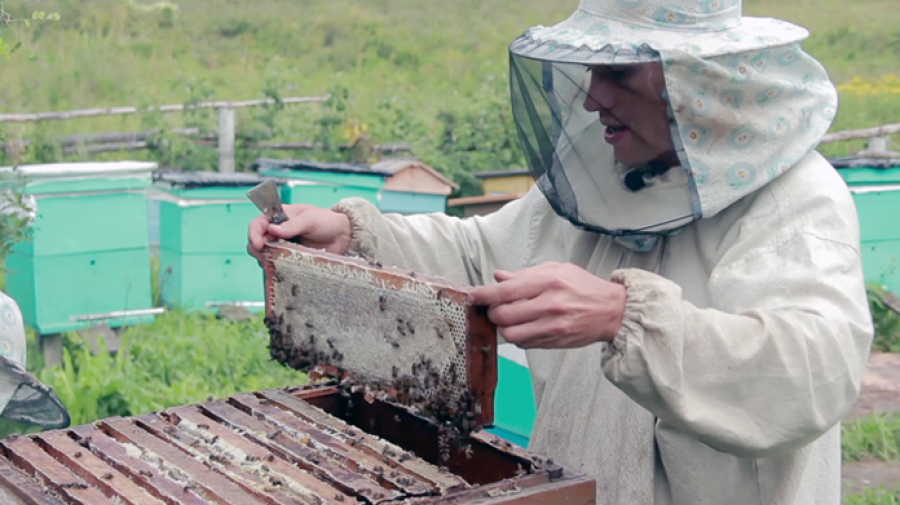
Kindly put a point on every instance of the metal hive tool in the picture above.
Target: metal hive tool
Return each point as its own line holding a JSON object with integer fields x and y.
{"x": 291, "y": 446}
{"x": 396, "y": 336}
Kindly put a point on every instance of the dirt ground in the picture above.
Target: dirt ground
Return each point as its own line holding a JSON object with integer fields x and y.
{"x": 880, "y": 393}
{"x": 880, "y": 388}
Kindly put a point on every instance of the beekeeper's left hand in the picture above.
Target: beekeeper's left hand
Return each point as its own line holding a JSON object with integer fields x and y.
{"x": 553, "y": 306}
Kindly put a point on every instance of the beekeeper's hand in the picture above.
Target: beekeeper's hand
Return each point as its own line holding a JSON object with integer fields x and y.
{"x": 314, "y": 226}
{"x": 553, "y": 306}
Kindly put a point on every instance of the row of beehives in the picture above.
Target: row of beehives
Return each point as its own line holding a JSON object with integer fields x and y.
{"x": 98, "y": 225}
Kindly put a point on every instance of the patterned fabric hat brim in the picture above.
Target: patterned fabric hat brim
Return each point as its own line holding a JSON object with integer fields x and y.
{"x": 593, "y": 39}
{"x": 745, "y": 104}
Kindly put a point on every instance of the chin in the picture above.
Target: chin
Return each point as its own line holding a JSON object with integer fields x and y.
{"x": 629, "y": 159}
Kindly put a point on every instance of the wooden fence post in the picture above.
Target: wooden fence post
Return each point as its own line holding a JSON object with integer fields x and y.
{"x": 226, "y": 140}
{"x": 879, "y": 144}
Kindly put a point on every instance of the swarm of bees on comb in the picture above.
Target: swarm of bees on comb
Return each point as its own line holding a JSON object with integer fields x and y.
{"x": 389, "y": 335}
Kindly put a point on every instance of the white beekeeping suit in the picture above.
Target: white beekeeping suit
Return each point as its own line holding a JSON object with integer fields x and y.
{"x": 746, "y": 327}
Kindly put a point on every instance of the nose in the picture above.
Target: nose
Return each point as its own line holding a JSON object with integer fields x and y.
{"x": 601, "y": 94}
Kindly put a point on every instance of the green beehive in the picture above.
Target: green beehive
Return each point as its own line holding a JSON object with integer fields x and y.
{"x": 875, "y": 185}
{"x": 203, "y": 219}
{"x": 88, "y": 260}
{"x": 323, "y": 184}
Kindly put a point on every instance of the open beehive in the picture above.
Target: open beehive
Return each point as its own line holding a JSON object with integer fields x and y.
{"x": 307, "y": 445}
{"x": 398, "y": 336}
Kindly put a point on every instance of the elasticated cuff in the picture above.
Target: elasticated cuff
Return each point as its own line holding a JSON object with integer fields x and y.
{"x": 362, "y": 242}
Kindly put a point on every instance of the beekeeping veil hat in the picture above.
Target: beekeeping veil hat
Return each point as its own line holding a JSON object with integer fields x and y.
{"x": 23, "y": 398}
{"x": 744, "y": 101}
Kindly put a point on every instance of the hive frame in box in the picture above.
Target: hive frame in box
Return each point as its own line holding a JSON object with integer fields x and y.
{"x": 472, "y": 333}
{"x": 277, "y": 447}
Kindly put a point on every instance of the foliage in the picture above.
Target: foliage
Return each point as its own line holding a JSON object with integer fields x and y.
{"x": 877, "y": 496}
{"x": 876, "y": 436}
{"x": 8, "y": 21}
{"x": 432, "y": 75}
{"x": 179, "y": 359}
{"x": 887, "y": 322}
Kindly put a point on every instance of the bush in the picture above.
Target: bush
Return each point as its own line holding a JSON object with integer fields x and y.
{"x": 887, "y": 322}
{"x": 179, "y": 359}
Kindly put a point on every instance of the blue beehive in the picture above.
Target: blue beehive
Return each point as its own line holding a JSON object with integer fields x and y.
{"x": 405, "y": 186}
{"x": 203, "y": 219}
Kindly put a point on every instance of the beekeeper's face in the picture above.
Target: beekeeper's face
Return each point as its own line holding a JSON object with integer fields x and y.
{"x": 629, "y": 100}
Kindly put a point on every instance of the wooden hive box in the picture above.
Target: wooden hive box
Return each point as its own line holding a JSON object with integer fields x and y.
{"x": 302, "y": 445}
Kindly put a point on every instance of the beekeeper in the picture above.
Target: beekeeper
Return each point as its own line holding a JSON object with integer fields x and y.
{"x": 685, "y": 275}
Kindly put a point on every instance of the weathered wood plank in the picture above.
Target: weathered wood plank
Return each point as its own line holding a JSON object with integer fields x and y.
{"x": 121, "y": 111}
{"x": 441, "y": 481}
{"x": 26, "y": 454}
{"x": 581, "y": 491}
{"x": 16, "y": 485}
{"x": 94, "y": 470}
{"x": 275, "y": 439}
{"x": 345, "y": 454}
{"x": 191, "y": 419}
{"x": 878, "y": 131}
{"x": 241, "y": 472}
{"x": 157, "y": 482}
{"x": 213, "y": 485}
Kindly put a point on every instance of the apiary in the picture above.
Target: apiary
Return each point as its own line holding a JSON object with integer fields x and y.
{"x": 314, "y": 444}
{"x": 403, "y": 369}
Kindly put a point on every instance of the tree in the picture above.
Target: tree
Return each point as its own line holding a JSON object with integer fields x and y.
{"x": 16, "y": 208}
{"x": 9, "y": 24}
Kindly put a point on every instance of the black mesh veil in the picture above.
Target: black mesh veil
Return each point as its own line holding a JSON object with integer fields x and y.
{"x": 571, "y": 155}
{"x": 32, "y": 402}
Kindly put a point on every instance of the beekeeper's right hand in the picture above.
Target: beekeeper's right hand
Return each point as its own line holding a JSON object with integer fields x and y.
{"x": 313, "y": 227}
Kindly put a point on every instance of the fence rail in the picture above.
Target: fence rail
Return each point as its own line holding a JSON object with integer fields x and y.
{"x": 867, "y": 133}
{"x": 122, "y": 111}
{"x": 224, "y": 139}
{"x": 878, "y": 146}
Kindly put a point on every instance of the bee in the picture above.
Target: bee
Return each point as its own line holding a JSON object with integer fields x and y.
{"x": 293, "y": 290}
{"x": 440, "y": 334}
{"x": 382, "y": 301}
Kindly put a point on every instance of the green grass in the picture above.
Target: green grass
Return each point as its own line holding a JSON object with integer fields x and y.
{"x": 873, "y": 437}
{"x": 179, "y": 359}
{"x": 431, "y": 73}
{"x": 877, "y": 496}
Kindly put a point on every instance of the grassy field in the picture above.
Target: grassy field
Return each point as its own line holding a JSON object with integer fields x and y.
{"x": 433, "y": 74}
{"x": 429, "y": 73}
